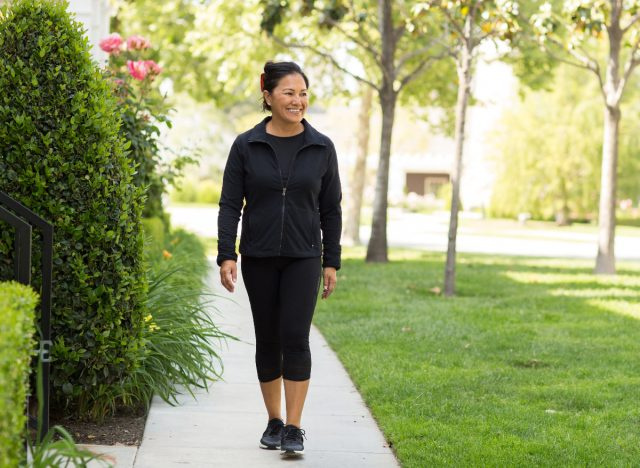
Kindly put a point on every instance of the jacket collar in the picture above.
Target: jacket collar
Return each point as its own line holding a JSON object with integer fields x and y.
{"x": 311, "y": 135}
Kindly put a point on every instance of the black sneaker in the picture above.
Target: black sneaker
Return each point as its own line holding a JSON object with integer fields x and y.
{"x": 272, "y": 435}
{"x": 292, "y": 440}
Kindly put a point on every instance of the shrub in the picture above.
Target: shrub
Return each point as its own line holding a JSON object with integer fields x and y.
{"x": 17, "y": 305}
{"x": 180, "y": 335}
{"x": 62, "y": 156}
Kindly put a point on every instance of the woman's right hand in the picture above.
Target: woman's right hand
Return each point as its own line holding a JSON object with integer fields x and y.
{"x": 229, "y": 274}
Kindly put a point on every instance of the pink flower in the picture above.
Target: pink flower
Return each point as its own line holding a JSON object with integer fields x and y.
{"x": 137, "y": 69}
{"x": 138, "y": 43}
{"x": 152, "y": 67}
{"x": 111, "y": 44}
{"x": 141, "y": 69}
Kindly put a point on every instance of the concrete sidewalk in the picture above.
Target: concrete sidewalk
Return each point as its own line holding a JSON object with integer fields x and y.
{"x": 222, "y": 427}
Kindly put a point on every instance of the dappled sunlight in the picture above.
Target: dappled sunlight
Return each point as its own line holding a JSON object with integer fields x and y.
{"x": 622, "y": 307}
{"x": 597, "y": 293}
{"x": 574, "y": 279}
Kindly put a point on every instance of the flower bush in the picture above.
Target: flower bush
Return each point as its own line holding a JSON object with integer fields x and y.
{"x": 133, "y": 72}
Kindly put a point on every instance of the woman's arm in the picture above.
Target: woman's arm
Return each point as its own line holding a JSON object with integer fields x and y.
{"x": 231, "y": 200}
{"x": 331, "y": 213}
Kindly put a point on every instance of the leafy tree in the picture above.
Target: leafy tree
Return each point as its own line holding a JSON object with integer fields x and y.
{"x": 573, "y": 35}
{"x": 470, "y": 23}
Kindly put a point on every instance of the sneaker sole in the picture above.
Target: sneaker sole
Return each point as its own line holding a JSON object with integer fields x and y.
{"x": 291, "y": 453}
{"x": 269, "y": 447}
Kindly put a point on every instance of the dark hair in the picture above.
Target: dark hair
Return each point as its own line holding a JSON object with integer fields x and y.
{"x": 274, "y": 72}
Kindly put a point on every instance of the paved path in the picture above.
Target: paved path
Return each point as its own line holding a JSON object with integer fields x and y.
{"x": 222, "y": 427}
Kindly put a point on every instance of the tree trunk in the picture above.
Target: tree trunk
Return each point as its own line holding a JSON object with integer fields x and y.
{"x": 606, "y": 260}
{"x": 464, "y": 82}
{"x": 352, "y": 227}
{"x": 377, "y": 248}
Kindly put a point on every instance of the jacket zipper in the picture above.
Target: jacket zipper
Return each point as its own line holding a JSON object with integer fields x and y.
{"x": 284, "y": 186}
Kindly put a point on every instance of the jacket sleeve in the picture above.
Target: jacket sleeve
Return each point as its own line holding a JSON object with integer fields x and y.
{"x": 231, "y": 200}
{"x": 331, "y": 212}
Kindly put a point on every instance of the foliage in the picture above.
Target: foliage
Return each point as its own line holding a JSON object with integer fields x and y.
{"x": 154, "y": 234}
{"x": 548, "y": 153}
{"x": 58, "y": 449}
{"x": 532, "y": 364}
{"x": 17, "y": 329}
{"x": 144, "y": 110}
{"x": 212, "y": 50}
{"x": 180, "y": 335}
{"x": 204, "y": 191}
{"x": 62, "y": 156}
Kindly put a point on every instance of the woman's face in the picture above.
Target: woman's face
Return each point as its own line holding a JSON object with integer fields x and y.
{"x": 288, "y": 100}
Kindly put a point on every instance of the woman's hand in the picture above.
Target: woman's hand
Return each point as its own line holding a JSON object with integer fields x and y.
{"x": 229, "y": 274}
{"x": 330, "y": 279}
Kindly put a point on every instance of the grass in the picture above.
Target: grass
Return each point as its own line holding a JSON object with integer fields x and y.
{"x": 534, "y": 363}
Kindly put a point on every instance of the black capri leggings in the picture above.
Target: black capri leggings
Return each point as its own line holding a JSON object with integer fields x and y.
{"x": 282, "y": 292}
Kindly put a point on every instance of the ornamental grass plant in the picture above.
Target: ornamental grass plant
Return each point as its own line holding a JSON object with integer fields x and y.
{"x": 180, "y": 337}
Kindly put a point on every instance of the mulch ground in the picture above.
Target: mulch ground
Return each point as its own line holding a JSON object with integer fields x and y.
{"x": 125, "y": 429}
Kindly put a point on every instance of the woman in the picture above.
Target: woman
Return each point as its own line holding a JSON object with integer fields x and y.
{"x": 286, "y": 173}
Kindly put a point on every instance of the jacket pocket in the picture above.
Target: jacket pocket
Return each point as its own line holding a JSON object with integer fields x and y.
{"x": 299, "y": 231}
{"x": 264, "y": 229}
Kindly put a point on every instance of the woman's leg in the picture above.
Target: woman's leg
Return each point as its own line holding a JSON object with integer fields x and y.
{"x": 299, "y": 284}
{"x": 262, "y": 279}
{"x": 272, "y": 396}
{"x": 295, "y": 394}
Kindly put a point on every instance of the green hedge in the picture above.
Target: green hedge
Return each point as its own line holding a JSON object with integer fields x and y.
{"x": 61, "y": 154}
{"x": 17, "y": 310}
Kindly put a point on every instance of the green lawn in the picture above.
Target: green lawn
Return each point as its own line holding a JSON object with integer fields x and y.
{"x": 535, "y": 362}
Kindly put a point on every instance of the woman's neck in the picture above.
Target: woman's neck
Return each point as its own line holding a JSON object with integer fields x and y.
{"x": 284, "y": 129}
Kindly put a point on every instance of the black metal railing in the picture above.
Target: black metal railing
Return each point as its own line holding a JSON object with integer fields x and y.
{"x": 23, "y": 220}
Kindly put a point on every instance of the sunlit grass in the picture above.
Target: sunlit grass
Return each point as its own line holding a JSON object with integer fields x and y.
{"x": 534, "y": 363}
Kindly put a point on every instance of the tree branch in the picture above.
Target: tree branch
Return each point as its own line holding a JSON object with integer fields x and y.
{"x": 632, "y": 21}
{"x": 582, "y": 61}
{"x": 452, "y": 21}
{"x": 326, "y": 56}
{"x": 628, "y": 69}
{"x": 366, "y": 46}
{"x": 416, "y": 53}
{"x": 420, "y": 68}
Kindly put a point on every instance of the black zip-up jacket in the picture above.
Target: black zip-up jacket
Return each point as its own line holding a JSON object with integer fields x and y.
{"x": 277, "y": 219}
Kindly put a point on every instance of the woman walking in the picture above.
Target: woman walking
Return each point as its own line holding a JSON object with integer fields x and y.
{"x": 286, "y": 174}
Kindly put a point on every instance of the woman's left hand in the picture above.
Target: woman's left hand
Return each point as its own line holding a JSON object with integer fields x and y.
{"x": 330, "y": 279}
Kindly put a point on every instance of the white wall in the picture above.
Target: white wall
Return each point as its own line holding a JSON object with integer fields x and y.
{"x": 95, "y": 15}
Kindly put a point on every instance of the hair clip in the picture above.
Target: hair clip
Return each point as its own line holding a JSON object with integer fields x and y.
{"x": 262, "y": 82}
